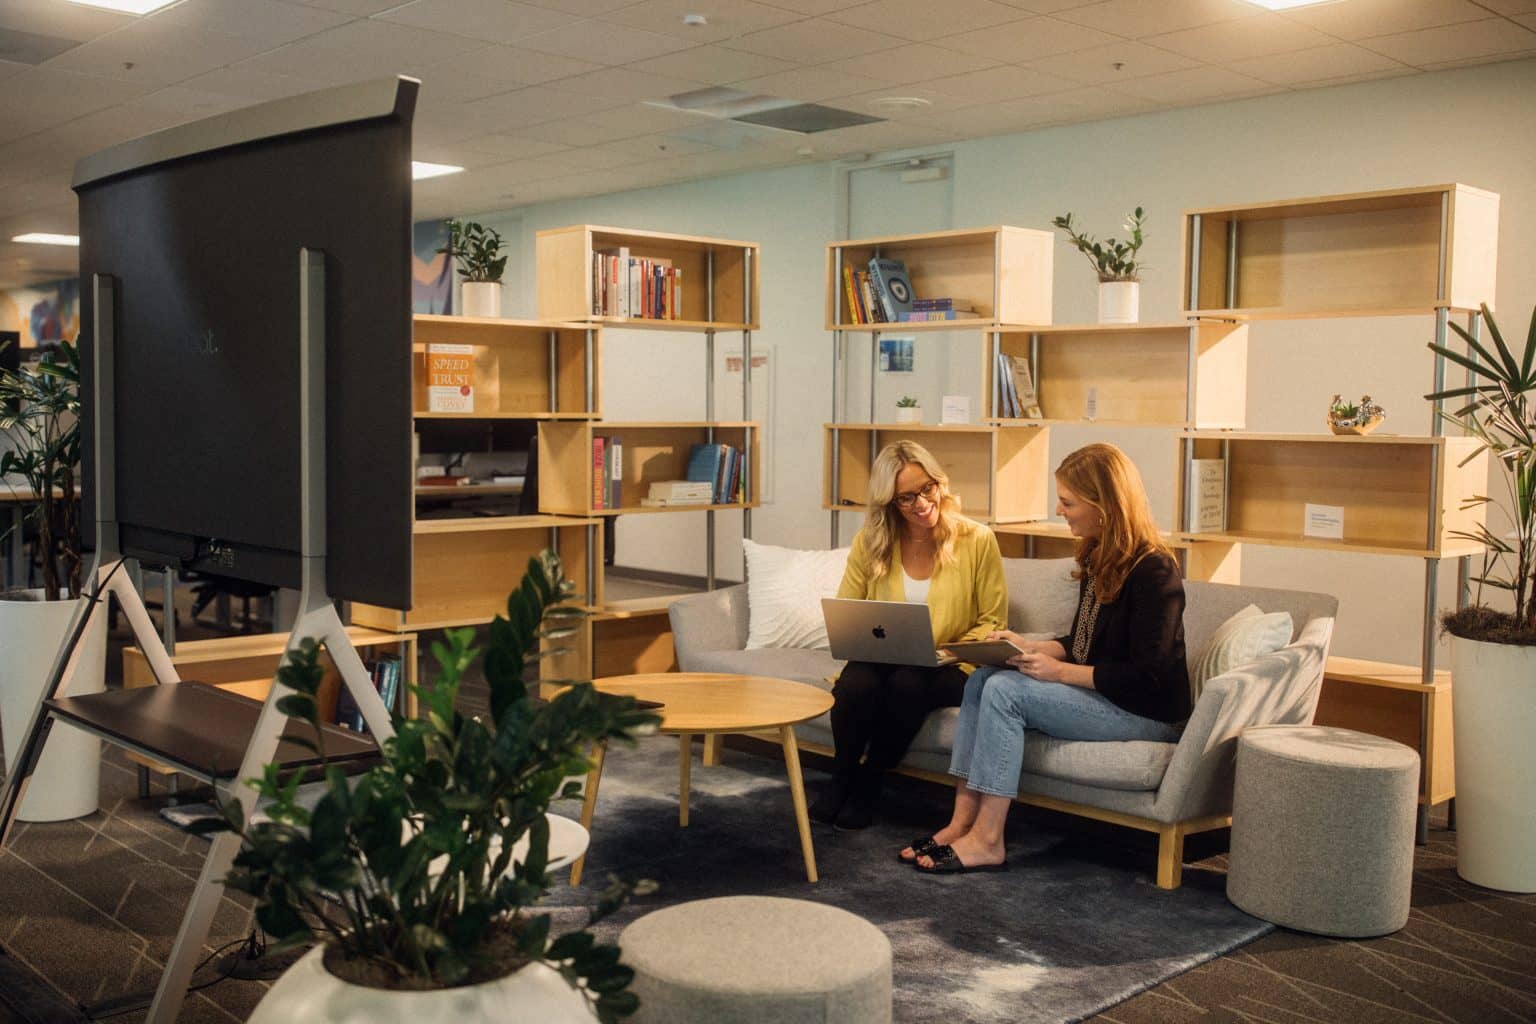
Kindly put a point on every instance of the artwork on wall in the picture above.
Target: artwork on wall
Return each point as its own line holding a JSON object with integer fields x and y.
{"x": 43, "y": 314}
{"x": 896, "y": 355}
{"x": 431, "y": 271}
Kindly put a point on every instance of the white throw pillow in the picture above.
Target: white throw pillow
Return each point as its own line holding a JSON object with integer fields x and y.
{"x": 784, "y": 591}
{"x": 1042, "y": 595}
{"x": 1249, "y": 634}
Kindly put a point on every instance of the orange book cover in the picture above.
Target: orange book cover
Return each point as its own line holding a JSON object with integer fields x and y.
{"x": 450, "y": 378}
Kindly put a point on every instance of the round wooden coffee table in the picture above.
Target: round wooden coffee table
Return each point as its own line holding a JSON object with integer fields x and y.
{"x": 712, "y": 703}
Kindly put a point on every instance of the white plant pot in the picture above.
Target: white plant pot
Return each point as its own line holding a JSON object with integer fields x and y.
{"x": 909, "y": 414}
{"x": 67, "y": 781}
{"x": 309, "y": 992}
{"x": 1119, "y": 302}
{"x": 1493, "y": 702}
{"x": 481, "y": 298}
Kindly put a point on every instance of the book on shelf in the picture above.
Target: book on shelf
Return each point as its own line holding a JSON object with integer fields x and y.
{"x": 599, "y": 477}
{"x": 635, "y": 287}
{"x": 891, "y": 288}
{"x": 450, "y": 377}
{"x": 442, "y": 481}
{"x": 1008, "y": 402}
{"x": 1026, "y": 401}
{"x": 941, "y": 305}
{"x": 719, "y": 466}
{"x": 672, "y": 502}
{"x": 919, "y": 316}
{"x": 615, "y": 475}
{"x": 385, "y": 675}
{"x": 679, "y": 490}
{"x": 1207, "y": 495}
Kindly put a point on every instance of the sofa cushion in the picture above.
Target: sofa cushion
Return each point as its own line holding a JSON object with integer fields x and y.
{"x": 1042, "y": 595}
{"x": 1248, "y": 635}
{"x": 784, "y": 591}
{"x": 803, "y": 666}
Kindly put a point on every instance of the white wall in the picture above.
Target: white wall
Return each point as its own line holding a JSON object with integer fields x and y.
{"x": 1474, "y": 125}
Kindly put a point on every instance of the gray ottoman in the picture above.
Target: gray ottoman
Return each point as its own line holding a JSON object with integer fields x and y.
{"x": 758, "y": 960}
{"x": 1322, "y": 829}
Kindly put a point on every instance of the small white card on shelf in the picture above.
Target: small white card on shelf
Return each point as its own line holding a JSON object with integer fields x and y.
{"x": 957, "y": 409}
{"x": 1325, "y": 522}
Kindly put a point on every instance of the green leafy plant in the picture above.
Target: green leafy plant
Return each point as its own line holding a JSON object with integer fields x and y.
{"x": 906, "y": 402}
{"x": 40, "y": 413}
{"x": 1112, "y": 260}
{"x": 1499, "y": 414}
{"x": 476, "y": 249}
{"x": 466, "y": 789}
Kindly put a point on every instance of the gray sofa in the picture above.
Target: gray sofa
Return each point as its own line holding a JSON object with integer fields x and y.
{"x": 1173, "y": 789}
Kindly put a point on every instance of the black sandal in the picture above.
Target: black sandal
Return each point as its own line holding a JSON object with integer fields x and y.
{"x": 922, "y": 846}
{"x": 947, "y": 862}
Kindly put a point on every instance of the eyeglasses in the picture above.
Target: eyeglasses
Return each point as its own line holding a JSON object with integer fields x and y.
{"x": 929, "y": 493}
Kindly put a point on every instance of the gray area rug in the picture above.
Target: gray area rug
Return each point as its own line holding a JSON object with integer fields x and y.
{"x": 1075, "y": 926}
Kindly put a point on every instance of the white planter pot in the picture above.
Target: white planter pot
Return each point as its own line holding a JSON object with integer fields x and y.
{"x": 308, "y": 992}
{"x": 67, "y": 780}
{"x": 481, "y": 298}
{"x": 1119, "y": 302}
{"x": 1493, "y": 701}
{"x": 909, "y": 414}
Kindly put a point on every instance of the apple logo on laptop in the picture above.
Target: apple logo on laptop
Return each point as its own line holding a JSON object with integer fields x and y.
{"x": 879, "y": 632}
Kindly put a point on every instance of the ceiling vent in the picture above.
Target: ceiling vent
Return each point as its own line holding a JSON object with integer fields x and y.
{"x": 726, "y": 104}
{"x": 30, "y": 48}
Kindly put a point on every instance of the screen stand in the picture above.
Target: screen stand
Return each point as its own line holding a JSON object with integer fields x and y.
{"x": 317, "y": 619}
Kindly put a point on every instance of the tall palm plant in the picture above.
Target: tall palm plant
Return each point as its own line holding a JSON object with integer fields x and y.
{"x": 40, "y": 413}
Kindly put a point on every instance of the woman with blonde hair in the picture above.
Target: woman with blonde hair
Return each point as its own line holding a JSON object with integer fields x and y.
{"x": 914, "y": 546}
{"x": 1119, "y": 675}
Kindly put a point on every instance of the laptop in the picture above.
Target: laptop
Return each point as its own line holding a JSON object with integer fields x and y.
{"x": 886, "y": 632}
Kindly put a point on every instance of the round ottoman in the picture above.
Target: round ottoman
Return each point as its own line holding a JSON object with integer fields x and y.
{"x": 1322, "y": 829}
{"x": 758, "y": 958}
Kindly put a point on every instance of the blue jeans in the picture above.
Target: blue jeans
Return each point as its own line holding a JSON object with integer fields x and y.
{"x": 999, "y": 704}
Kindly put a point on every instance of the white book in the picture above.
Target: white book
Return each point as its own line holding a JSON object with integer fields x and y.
{"x": 673, "y": 502}
{"x": 679, "y": 489}
{"x": 1207, "y": 495}
{"x": 1026, "y": 402}
{"x": 450, "y": 378}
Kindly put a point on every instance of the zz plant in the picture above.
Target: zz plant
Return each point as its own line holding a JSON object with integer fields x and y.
{"x": 1112, "y": 260}
{"x": 440, "y": 903}
{"x": 476, "y": 249}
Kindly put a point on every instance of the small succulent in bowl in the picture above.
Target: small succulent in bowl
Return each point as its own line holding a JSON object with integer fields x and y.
{"x": 906, "y": 402}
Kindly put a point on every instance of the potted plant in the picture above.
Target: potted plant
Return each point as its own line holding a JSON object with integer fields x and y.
{"x": 1358, "y": 418}
{"x": 1493, "y": 651}
{"x": 907, "y": 410}
{"x": 39, "y": 415}
{"x": 476, "y": 250}
{"x": 432, "y": 919}
{"x": 1116, "y": 264}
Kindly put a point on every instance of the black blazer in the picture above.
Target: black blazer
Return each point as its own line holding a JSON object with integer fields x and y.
{"x": 1137, "y": 648}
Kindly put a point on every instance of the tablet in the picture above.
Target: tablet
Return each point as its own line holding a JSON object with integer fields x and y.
{"x": 984, "y": 652}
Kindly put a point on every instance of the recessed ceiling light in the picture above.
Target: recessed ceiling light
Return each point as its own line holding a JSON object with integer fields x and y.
{"x": 126, "y": 6}
{"x": 901, "y": 102}
{"x": 420, "y": 170}
{"x": 1285, "y": 5}
{"x": 695, "y": 20}
{"x": 44, "y": 238}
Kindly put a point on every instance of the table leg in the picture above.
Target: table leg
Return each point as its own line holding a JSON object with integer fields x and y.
{"x": 797, "y": 794}
{"x": 588, "y": 804}
{"x": 712, "y": 743}
{"x": 684, "y": 761}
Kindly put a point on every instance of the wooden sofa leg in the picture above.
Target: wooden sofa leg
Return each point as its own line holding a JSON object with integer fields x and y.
{"x": 711, "y": 757}
{"x": 1170, "y": 856}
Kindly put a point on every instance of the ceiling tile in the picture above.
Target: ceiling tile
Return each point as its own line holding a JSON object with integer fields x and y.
{"x": 603, "y": 43}
{"x": 1097, "y": 64}
{"x": 1226, "y": 41}
{"x": 1322, "y": 63}
{"x": 1510, "y": 8}
{"x": 1528, "y": 20}
{"x": 9, "y": 68}
{"x": 815, "y": 41}
{"x": 533, "y": 105}
{"x": 924, "y": 20}
{"x": 638, "y": 119}
{"x": 67, "y": 21}
{"x": 400, "y": 44}
{"x": 495, "y": 21}
{"x": 1194, "y": 85}
{"x": 1134, "y": 19}
{"x": 1358, "y": 19}
{"x": 1487, "y": 38}
{"x": 252, "y": 85}
{"x": 809, "y": 85}
{"x": 869, "y": 103}
{"x": 994, "y": 83}
{"x": 1048, "y": 6}
{"x": 1020, "y": 41}
{"x": 913, "y": 63}
{"x": 357, "y": 8}
{"x": 887, "y": 136}
{"x": 265, "y": 22}
{"x": 41, "y": 97}
{"x": 726, "y": 18}
{"x": 1467, "y": 62}
{"x": 317, "y": 66}
{"x": 191, "y": 103}
{"x": 582, "y": 8}
{"x": 622, "y": 83}
{"x": 170, "y": 54}
{"x": 508, "y": 65}
{"x": 815, "y": 7}
{"x": 1085, "y": 104}
{"x": 713, "y": 64}
{"x": 642, "y": 147}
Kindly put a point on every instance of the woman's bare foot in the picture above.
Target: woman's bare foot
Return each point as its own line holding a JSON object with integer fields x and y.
{"x": 943, "y": 837}
{"x": 971, "y": 851}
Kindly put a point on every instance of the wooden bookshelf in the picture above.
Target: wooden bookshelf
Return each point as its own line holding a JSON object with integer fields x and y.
{"x": 1394, "y": 701}
{"x": 719, "y": 276}
{"x": 1000, "y": 475}
{"x": 1003, "y": 273}
{"x": 463, "y": 569}
{"x": 651, "y": 452}
{"x": 1131, "y": 374}
{"x": 524, "y": 369}
{"x": 1383, "y": 253}
{"x": 1400, "y": 495}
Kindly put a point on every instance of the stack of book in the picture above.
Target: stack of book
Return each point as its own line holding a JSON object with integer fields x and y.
{"x": 672, "y": 493}
{"x": 1017, "y": 388}
{"x": 607, "y": 472}
{"x": 925, "y": 310}
{"x": 385, "y": 674}
{"x": 879, "y": 295}
{"x": 635, "y": 287}
{"x": 719, "y": 466}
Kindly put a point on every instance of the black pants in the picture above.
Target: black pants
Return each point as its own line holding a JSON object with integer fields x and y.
{"x": 880, "y": 708}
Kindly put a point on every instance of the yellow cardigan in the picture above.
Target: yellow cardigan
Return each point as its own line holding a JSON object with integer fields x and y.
{"x": 967, "y": 600}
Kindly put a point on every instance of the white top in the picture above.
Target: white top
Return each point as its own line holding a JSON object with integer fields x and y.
{"x": 916, "y": 590}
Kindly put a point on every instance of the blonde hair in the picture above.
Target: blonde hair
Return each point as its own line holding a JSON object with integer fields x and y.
{"x": 882, "y": 524}
{"x": 1104, "y": 478}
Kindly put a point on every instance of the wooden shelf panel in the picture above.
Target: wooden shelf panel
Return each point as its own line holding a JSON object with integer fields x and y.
{"x": 998, "y": 475}
{"x": 1382, "y": 673}
{"x": 1361, "y": 254}
{"x": 511, "y": 367}
{"x": 489, "y": 524}
{"x": 645, "y": 510}
{"x": 468, "y": 490}
{"x": 1055, "y": 530}
{"x": 1390, "y": 700}
{"x": 924, "y": 327}
{"x": 1003, "y": 273}
{"x": 651, "y": 453}
{"x": 715, "y": 276}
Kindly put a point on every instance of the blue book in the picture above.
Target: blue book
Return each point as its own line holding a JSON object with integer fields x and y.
{"x": 703, "y": 464}
{"x": 891, "y": 286}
